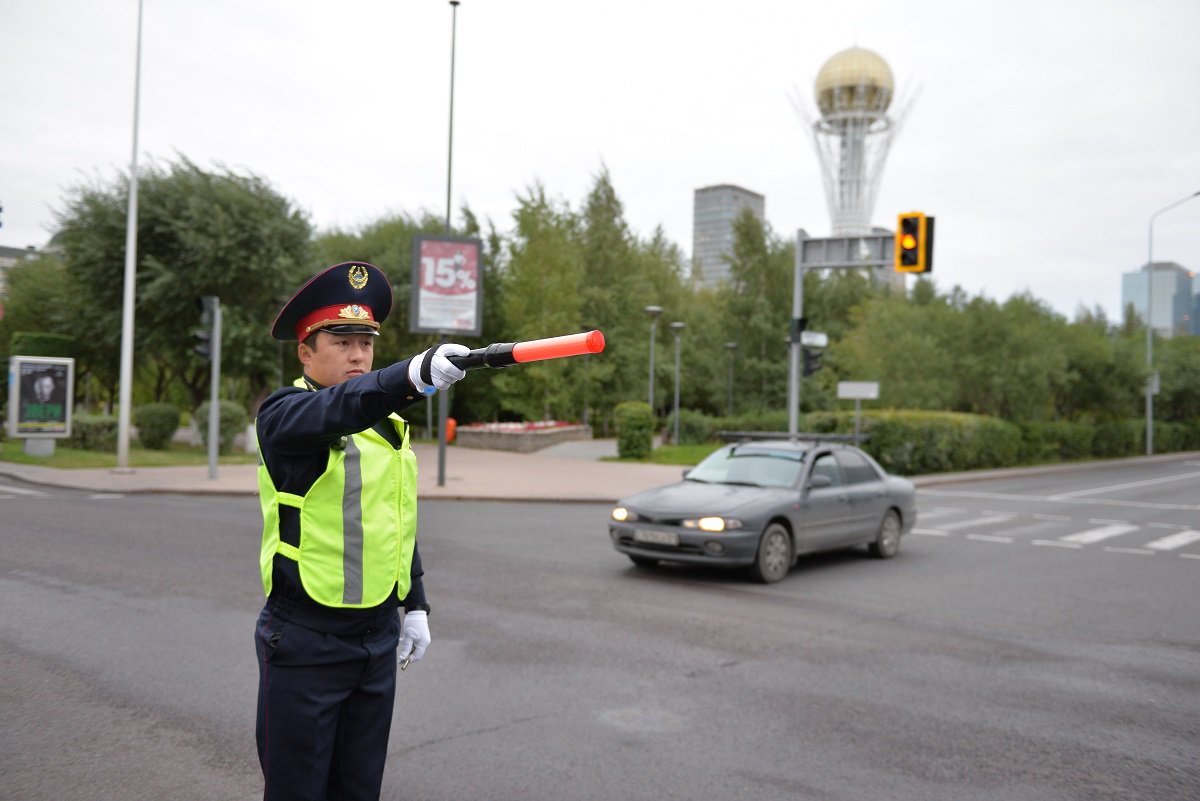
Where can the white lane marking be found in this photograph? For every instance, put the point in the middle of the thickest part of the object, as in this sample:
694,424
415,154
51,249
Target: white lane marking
1000,496
988,538
1189,555
1167,525
1051,517
105,496
1132,484
1174,541
941,511
1057,544
929,532
21,491
977,521
1098,534
1136,551
1102,520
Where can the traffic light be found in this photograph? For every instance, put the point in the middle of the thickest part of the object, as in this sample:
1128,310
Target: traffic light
812,360
914,243
203,336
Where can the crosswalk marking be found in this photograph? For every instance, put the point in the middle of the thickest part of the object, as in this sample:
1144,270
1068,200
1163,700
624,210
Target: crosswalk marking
930,532
988,538
21,491
977,521
1057,544
941,511
1174,541
1136,551
1097,534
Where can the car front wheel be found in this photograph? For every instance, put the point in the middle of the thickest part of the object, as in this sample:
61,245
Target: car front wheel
774,555
887,541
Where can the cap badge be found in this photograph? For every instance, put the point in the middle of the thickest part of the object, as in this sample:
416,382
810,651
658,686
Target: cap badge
358,276
354,312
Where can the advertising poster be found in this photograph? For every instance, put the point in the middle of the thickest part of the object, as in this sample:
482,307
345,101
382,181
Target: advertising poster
40,396
447,286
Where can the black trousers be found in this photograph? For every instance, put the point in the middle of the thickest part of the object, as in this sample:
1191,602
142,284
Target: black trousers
324,709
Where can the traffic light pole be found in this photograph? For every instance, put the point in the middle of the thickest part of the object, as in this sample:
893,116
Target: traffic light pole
214,401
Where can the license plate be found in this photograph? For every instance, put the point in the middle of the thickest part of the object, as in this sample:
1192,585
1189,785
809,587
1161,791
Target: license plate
655,536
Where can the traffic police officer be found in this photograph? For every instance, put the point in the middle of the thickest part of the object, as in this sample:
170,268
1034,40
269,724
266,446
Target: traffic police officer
337,482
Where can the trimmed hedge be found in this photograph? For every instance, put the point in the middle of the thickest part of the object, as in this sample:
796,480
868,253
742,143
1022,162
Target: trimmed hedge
93,432
920,442
635,429
231,419
156,424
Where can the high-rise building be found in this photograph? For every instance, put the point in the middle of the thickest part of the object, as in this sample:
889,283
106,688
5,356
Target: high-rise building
713,212
1174,301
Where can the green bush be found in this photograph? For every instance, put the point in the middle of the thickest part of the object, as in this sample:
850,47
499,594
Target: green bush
93,432
41,343
232,420
156,424
1115,438
635,429
918,442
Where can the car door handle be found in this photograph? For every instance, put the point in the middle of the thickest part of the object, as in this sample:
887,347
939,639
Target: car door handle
843,498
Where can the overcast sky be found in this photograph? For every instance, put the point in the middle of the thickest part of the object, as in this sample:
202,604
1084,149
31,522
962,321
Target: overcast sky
1043,134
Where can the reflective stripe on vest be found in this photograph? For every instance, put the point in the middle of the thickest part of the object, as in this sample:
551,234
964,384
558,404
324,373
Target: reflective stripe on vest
357,523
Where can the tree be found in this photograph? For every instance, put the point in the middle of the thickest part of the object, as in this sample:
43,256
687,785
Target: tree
199,233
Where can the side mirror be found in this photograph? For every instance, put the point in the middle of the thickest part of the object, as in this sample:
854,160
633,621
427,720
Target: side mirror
819,482
687,472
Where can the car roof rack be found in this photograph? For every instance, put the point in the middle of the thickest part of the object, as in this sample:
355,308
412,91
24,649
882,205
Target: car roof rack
744,436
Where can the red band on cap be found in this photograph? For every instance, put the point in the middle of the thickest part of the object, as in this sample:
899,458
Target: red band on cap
340,314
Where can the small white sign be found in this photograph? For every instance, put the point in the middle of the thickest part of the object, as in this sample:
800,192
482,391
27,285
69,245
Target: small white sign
814,339
858,390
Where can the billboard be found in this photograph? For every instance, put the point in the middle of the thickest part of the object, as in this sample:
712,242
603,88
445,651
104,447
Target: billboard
447,286
40,395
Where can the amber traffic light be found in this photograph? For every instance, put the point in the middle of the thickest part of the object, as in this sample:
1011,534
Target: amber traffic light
914,243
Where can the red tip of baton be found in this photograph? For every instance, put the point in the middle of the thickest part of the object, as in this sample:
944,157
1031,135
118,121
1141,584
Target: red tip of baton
557,347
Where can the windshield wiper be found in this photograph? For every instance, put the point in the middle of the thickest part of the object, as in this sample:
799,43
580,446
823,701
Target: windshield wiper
742,483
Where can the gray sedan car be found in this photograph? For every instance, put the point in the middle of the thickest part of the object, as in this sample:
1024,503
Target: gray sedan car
760,505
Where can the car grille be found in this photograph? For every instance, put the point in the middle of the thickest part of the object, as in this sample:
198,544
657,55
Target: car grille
683,547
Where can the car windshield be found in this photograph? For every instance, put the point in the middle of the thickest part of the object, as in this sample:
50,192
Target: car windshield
750,464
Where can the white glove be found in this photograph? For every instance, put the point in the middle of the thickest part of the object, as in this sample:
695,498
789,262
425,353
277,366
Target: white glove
416,637
441,372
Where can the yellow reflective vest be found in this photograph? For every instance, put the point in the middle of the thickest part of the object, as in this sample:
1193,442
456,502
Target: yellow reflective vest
358,522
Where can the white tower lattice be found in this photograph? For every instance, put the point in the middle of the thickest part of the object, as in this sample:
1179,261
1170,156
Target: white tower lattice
853,134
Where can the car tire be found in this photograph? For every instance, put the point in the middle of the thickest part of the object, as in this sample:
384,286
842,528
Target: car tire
774,558
643,561
887,541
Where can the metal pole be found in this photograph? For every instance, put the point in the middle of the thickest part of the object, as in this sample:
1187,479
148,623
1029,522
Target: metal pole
794,361
1150,323
443,398
214,394
677,327
731,346
653,311
125,396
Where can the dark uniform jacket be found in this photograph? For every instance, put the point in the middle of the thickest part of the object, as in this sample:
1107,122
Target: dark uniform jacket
296,428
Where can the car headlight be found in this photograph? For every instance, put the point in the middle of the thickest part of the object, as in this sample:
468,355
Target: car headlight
623,515
713,524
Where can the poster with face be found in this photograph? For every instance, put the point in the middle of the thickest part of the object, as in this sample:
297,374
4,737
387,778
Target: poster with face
40,396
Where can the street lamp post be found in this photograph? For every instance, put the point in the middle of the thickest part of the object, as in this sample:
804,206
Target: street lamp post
125,399
654,312
444,396
731,347
1150,323
677,327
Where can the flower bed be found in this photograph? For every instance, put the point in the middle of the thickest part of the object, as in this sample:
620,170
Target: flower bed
520,437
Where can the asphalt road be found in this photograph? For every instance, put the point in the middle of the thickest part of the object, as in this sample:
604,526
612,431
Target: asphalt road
1035,639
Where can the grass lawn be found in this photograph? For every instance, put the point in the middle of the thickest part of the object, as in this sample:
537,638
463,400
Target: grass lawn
13,450
684,455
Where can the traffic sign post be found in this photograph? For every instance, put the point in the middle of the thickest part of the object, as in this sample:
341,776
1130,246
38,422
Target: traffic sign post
859,391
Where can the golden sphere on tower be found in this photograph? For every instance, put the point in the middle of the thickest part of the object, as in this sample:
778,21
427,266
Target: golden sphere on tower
855,79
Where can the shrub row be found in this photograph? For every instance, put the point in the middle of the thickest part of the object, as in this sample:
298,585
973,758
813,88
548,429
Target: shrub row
156,424
919,442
